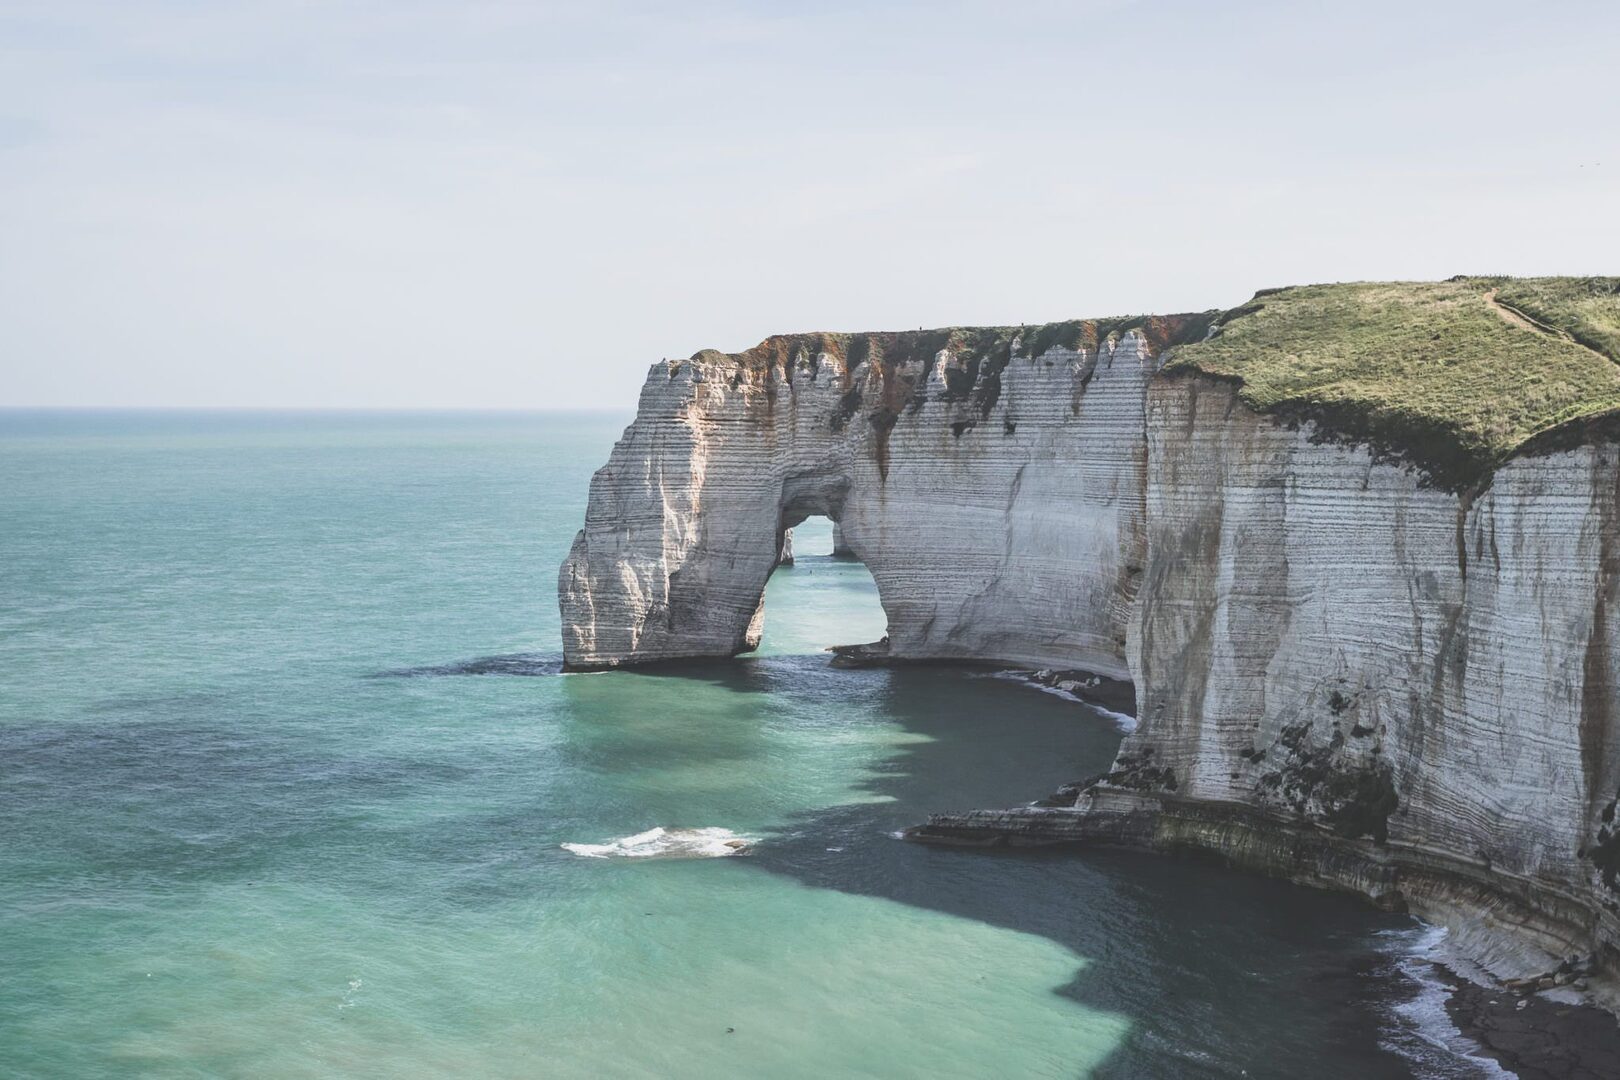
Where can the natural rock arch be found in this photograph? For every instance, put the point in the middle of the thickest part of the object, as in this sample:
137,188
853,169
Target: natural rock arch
995,496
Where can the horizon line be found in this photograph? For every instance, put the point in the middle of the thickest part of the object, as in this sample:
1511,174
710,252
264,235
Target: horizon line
317,408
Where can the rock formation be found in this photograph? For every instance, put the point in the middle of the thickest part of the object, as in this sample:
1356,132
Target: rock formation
996,498
840,548
1361,664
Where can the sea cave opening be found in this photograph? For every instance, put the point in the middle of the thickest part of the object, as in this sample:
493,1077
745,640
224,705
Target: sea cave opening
820,594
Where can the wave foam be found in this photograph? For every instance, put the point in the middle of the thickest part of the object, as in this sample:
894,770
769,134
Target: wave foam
1420,1028
660,843
1067,689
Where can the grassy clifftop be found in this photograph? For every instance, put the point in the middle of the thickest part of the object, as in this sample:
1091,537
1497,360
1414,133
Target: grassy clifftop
1451,376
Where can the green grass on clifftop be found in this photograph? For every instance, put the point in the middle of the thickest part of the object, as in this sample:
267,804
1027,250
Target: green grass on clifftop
1587,309
1451,376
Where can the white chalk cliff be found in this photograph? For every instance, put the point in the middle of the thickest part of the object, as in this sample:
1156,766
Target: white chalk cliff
1343,674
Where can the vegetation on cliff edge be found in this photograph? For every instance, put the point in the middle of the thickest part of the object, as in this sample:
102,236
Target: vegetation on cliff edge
1452,377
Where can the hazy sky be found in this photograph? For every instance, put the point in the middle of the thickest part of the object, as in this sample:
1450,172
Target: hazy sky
525,204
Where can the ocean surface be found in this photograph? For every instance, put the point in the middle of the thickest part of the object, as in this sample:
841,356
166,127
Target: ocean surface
287,768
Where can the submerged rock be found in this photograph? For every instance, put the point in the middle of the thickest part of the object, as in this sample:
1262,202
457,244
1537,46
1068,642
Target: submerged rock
872,654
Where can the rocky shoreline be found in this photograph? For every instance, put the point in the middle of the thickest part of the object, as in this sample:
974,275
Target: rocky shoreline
1540,1027
1543,1034
1116,696
1545,1026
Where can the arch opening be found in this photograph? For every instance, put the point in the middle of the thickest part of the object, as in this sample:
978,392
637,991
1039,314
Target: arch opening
819,595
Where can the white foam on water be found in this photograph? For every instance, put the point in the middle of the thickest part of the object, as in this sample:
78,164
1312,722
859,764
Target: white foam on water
661,843
1122,721
1420,1028
348,1001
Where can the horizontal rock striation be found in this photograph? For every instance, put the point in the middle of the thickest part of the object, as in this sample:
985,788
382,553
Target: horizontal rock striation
1346,673
991,481
1351,679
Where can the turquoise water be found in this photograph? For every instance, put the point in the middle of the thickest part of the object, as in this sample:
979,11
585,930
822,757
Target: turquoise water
285,765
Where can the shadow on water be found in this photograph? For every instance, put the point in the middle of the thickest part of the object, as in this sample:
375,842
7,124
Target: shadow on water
523,664
1202,960
723,672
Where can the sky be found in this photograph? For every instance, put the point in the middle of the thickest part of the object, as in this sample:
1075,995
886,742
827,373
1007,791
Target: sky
482,203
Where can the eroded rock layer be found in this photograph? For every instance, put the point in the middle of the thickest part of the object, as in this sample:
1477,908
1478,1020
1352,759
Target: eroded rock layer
1345,674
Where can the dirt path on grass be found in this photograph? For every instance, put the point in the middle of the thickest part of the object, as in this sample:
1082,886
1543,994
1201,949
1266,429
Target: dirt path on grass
1514,317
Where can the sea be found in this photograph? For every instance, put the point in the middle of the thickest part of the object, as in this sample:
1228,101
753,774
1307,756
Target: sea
292,786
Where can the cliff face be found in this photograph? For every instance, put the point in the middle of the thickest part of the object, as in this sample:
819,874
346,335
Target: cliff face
1345,674
1325,641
